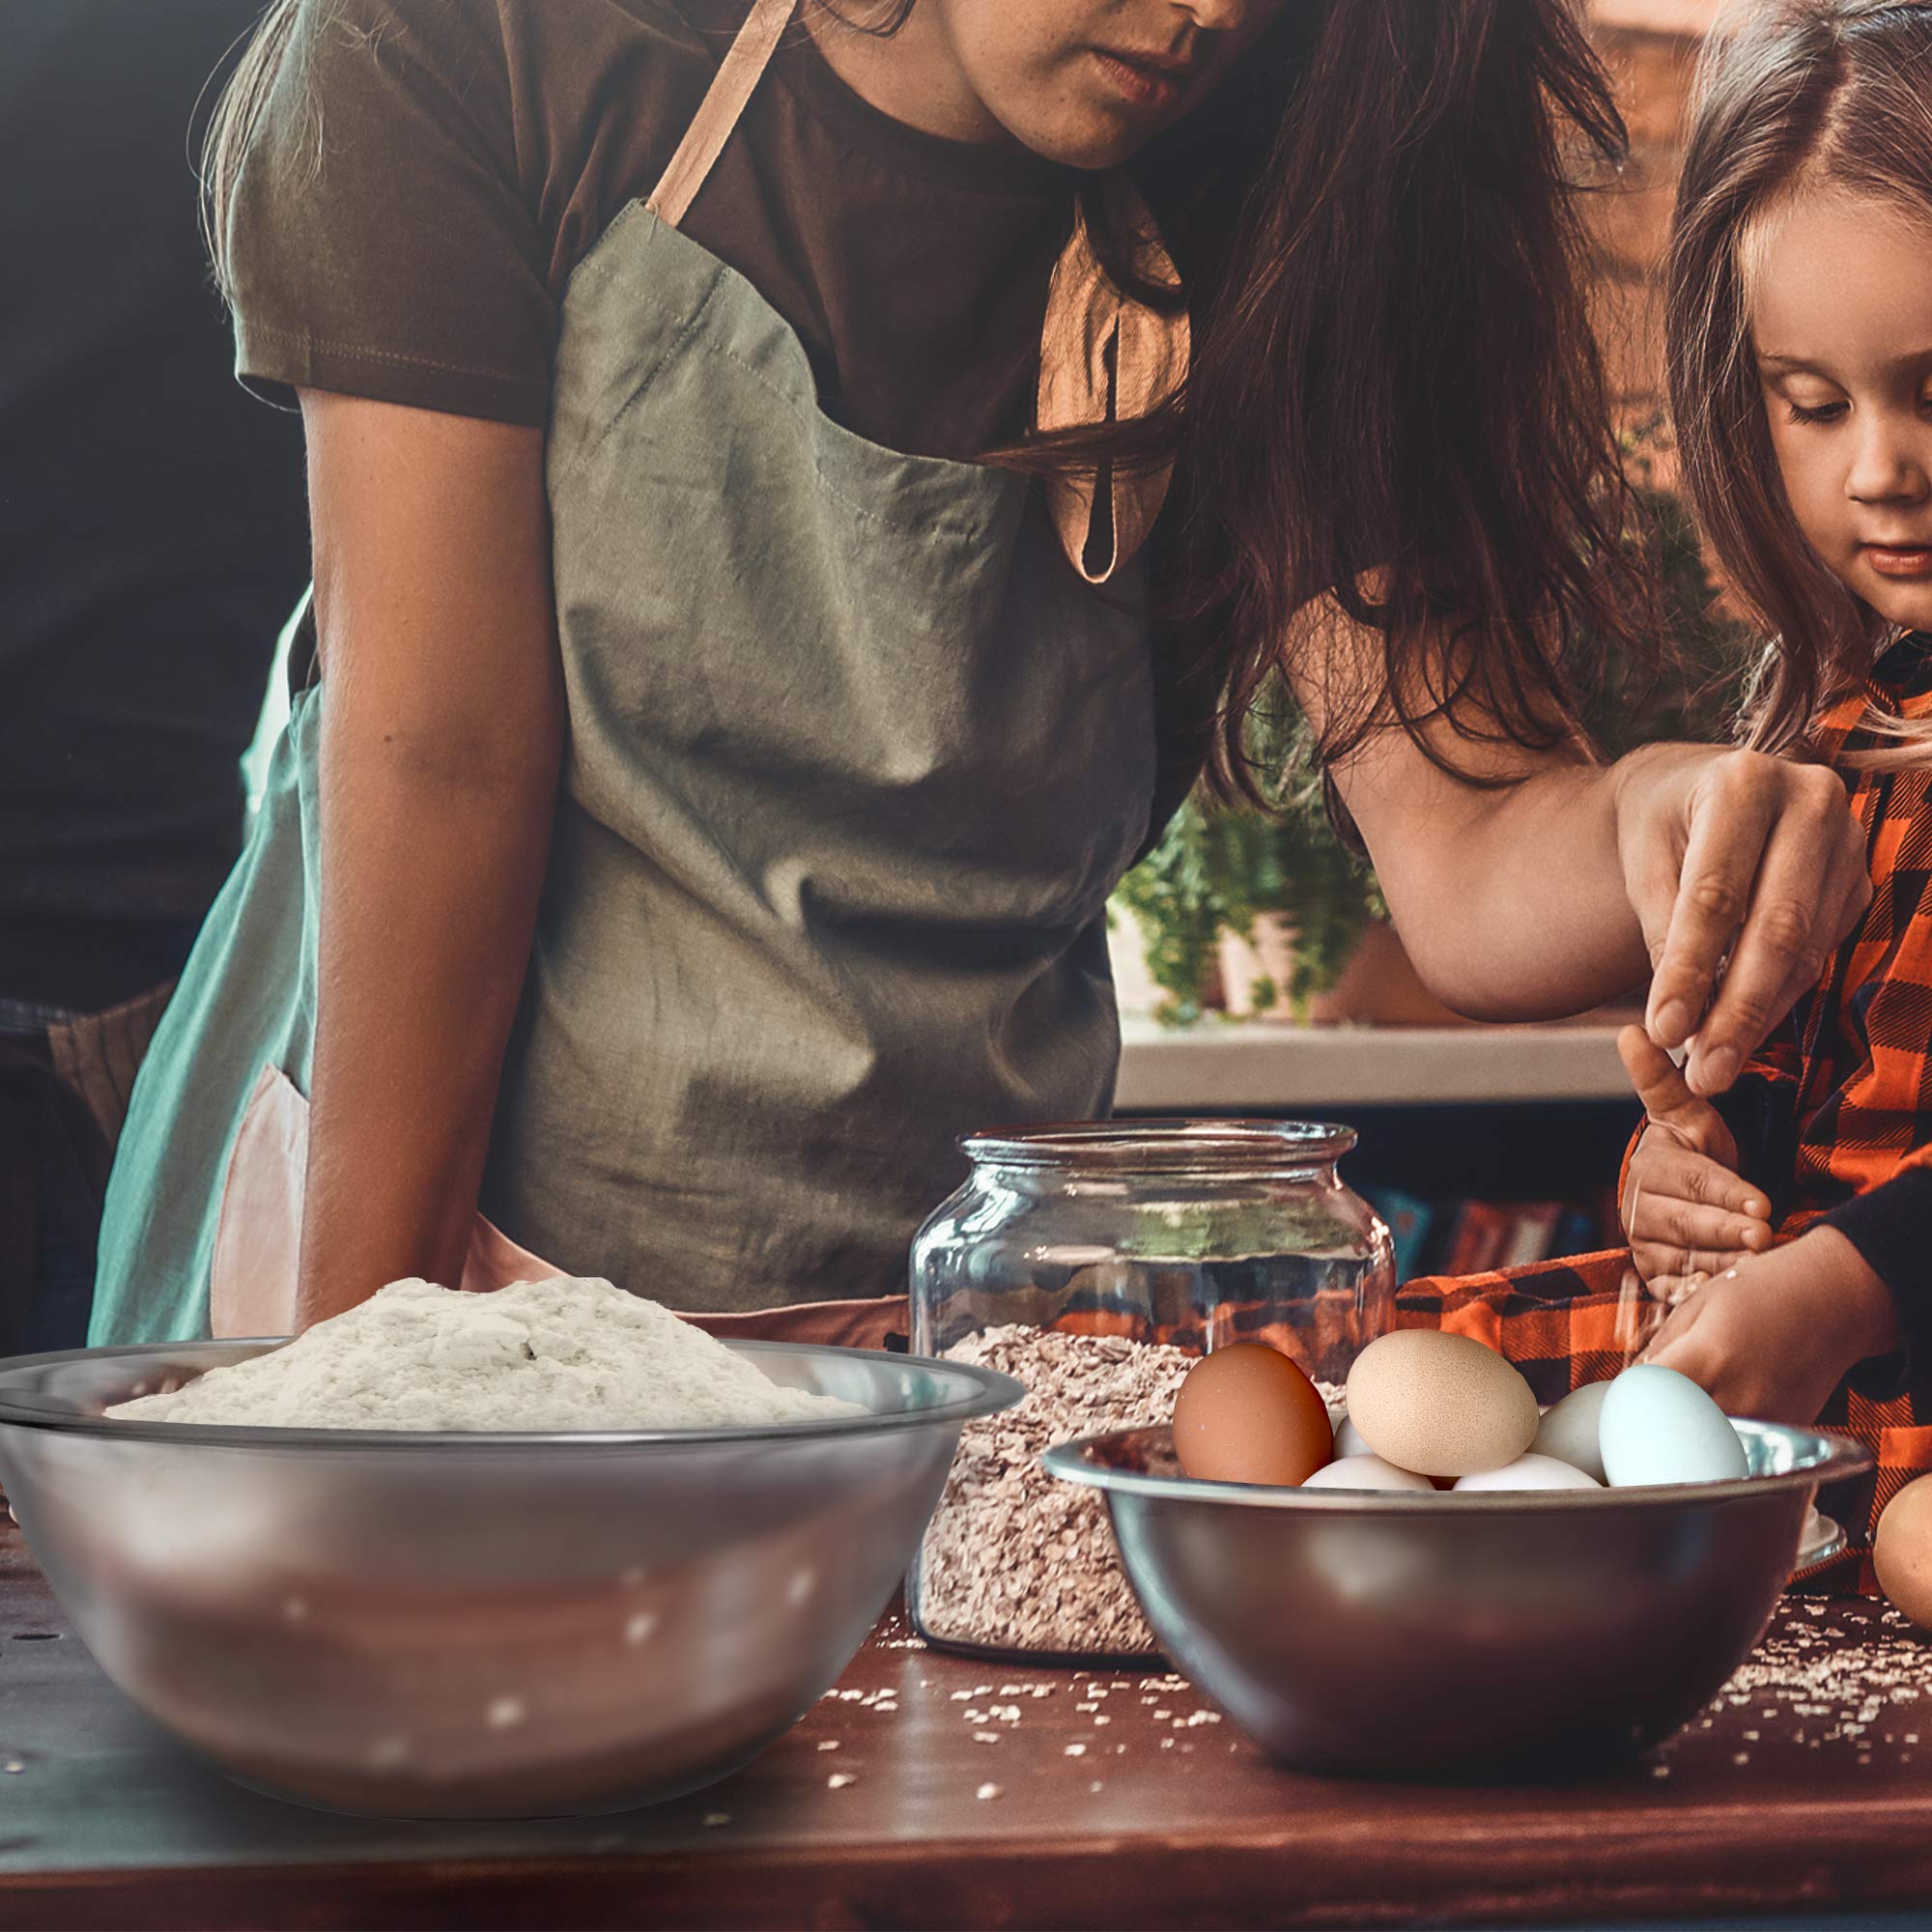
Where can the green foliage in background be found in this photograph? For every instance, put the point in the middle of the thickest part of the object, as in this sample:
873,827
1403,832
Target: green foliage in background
1707,652
1217,868
1173,894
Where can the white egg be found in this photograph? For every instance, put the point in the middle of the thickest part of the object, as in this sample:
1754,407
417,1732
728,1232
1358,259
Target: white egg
1366,1472
1531,1471
1348,1441
1659,1426
1571,1431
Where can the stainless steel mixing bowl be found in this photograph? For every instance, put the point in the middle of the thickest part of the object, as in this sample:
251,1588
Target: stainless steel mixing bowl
481,1626
1457,1635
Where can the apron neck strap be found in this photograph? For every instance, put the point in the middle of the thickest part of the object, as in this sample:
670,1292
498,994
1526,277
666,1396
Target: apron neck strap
738,74
1105,357
1102,354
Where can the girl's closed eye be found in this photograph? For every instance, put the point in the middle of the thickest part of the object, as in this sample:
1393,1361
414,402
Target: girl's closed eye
1805,395
1815,412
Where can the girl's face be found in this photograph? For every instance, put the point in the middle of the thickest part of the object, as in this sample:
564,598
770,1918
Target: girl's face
1841,324
1086,82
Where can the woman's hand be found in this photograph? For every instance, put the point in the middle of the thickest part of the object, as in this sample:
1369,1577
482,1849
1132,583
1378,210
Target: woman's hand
1732,853
1774,1337
1686,1212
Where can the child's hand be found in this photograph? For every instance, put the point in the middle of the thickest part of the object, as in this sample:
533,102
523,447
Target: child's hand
1686,1212
1774,1337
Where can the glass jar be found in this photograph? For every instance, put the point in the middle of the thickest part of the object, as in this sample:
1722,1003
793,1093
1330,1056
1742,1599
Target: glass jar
1096,1263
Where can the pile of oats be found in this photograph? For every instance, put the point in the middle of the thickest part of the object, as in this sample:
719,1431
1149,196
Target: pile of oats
1015,1560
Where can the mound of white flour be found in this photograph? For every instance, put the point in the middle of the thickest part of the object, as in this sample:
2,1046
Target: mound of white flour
564,1353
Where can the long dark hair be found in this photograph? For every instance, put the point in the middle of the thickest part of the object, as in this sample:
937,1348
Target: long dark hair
1396,400
1835,92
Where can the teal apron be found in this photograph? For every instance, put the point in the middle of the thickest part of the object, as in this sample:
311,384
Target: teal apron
856,752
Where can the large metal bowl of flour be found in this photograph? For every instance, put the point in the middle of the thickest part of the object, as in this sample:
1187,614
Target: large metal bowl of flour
457,1624
1455,1635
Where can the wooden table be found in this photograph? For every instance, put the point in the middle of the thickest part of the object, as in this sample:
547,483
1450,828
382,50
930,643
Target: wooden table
936,1791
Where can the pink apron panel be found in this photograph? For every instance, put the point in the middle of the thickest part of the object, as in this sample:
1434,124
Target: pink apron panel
258,1238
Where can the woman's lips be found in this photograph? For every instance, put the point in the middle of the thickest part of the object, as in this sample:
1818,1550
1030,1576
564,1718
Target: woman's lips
1142,85
1899,560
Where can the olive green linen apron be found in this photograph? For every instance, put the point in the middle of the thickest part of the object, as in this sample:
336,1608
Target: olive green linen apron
856,752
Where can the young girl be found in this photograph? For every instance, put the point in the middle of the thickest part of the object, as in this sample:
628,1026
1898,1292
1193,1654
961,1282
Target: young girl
740,441
1791,1222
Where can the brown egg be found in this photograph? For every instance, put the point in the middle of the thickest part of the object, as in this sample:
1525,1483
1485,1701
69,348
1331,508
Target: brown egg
1441,1405
1902,1551
1247,1414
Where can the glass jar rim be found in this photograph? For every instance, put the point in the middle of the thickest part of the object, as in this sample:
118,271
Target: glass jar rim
1165,1146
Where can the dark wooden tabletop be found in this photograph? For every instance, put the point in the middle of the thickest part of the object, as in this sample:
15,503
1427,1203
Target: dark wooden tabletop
930,1790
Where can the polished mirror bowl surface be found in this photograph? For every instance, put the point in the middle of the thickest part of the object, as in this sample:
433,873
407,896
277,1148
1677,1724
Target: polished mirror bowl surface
1446,1635
457,1625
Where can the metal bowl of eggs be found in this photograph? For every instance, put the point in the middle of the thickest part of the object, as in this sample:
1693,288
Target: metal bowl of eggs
1362,1624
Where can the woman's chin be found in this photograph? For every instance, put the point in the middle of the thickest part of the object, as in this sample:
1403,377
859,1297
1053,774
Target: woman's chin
1091,139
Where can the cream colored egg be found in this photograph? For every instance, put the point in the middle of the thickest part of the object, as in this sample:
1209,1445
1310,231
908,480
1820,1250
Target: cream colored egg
1441,1405
1367,1472
1902,1551
1530,1472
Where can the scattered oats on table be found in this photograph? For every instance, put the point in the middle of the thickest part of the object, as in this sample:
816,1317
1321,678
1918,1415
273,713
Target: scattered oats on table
1015,1560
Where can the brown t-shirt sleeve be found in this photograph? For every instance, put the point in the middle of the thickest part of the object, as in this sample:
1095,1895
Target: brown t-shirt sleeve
424,176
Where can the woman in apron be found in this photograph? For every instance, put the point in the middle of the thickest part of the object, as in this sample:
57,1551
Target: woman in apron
740,462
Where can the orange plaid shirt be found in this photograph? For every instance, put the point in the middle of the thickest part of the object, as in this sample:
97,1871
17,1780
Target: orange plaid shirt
1834,1113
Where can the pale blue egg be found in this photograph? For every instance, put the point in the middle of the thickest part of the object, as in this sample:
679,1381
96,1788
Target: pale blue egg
1659,1426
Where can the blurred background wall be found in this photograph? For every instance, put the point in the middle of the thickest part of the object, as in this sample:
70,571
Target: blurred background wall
1651,47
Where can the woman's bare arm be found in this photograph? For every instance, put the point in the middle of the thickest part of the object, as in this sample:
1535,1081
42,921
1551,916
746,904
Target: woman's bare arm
1569,888
442,727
